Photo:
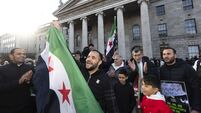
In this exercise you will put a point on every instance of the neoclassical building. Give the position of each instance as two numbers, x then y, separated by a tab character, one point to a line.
150	24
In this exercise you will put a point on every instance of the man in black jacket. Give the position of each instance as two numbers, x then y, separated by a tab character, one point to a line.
15	84
140	66
99	82
178	70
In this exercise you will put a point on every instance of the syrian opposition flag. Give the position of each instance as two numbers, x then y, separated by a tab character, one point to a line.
112	41
60	86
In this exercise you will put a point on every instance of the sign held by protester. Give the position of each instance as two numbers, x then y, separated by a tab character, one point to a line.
176	96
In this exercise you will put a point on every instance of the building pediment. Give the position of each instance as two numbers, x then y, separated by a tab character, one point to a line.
75	9
70	5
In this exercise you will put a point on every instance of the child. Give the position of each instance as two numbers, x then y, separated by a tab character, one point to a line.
153	101
124	93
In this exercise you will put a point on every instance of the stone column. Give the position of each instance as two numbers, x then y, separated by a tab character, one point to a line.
100	32
71	36
121	32
145	26
84	32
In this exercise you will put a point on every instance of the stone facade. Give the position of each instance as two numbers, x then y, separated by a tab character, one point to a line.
174	18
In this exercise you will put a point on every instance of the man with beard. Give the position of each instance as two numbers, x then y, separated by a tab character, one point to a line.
15	84
176	69
99	82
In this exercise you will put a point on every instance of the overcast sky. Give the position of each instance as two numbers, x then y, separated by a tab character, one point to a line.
26	15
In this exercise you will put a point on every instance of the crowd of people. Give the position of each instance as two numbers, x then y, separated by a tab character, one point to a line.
135	81
119	85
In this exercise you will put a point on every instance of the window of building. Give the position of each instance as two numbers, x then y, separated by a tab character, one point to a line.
160	10
162	30
187	4
77	40
136	32
193	50
190	26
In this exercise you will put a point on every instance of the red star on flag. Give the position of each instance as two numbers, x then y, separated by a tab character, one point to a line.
65	92
110	44
49	67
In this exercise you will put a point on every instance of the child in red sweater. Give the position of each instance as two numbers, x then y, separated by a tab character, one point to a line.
153	101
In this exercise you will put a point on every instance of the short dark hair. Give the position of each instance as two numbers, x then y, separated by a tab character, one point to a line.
13	50
174	51
91	45
85	51
152	80
123	71
136	49
100	55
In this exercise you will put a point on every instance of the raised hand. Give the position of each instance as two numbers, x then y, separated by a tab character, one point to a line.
131	65
145	67
26	77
